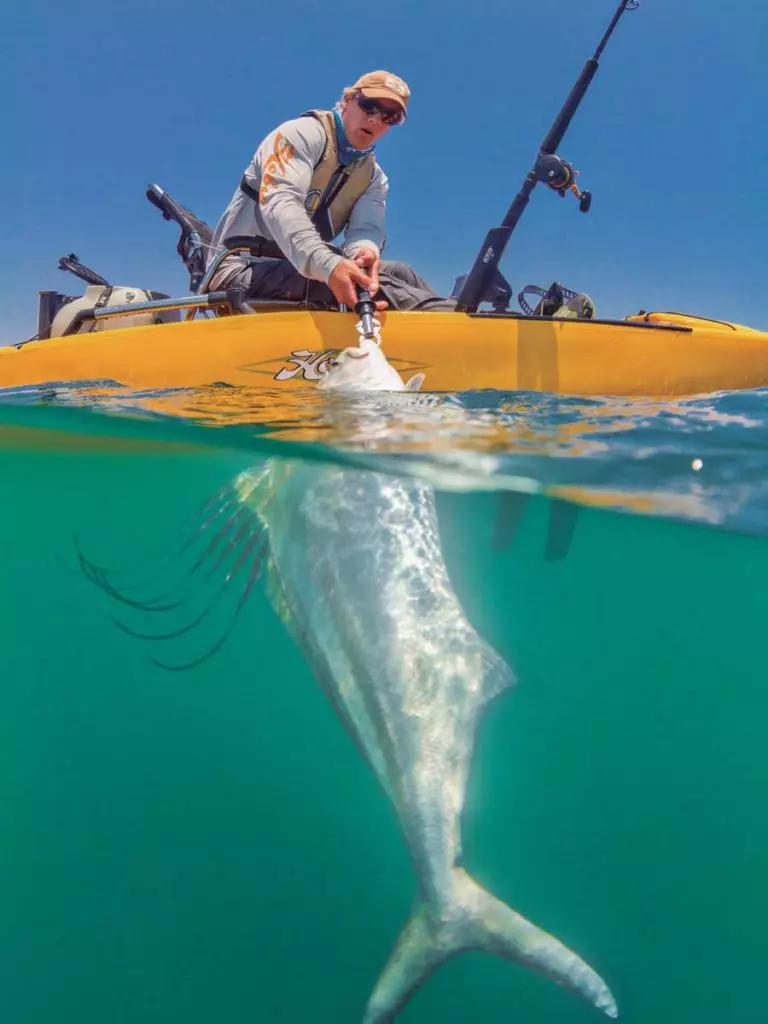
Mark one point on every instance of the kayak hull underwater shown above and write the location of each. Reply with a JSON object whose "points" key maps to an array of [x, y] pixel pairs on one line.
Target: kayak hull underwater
{"points": [[652, 354]]}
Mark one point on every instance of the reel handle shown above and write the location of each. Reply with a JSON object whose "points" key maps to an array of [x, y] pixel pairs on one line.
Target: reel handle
{"points": [[559, 175]]}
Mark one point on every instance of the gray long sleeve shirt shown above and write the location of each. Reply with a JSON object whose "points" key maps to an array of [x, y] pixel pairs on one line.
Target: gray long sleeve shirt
{"points": [[281, 169]]}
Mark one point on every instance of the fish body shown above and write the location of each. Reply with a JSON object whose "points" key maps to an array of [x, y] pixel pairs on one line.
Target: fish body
{"points": [[358, 575]]}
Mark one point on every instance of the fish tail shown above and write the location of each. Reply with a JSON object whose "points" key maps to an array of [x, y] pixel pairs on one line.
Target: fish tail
{"points": [[475, 919]]}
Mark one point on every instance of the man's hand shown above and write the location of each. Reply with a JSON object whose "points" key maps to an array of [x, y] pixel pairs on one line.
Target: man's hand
{"points": [[369, 260], [348, 273]]}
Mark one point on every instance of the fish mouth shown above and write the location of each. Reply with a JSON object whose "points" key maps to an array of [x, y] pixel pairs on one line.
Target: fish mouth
{"points": [[357, 355]]}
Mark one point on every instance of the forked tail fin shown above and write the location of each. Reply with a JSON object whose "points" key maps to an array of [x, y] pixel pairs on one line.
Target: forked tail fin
{"points": [[477, 920]]}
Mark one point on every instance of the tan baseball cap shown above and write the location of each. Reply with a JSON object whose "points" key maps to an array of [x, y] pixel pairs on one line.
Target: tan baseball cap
{"points": [[384, 85]]}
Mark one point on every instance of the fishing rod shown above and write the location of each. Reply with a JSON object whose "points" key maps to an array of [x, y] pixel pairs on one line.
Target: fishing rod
{"points": [[549, 168]]}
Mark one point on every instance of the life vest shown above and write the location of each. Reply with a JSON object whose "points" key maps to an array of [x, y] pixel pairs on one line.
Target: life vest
{"points": [[334, 188]]}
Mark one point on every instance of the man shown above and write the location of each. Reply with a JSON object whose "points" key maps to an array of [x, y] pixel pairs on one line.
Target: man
{"points": [[310, 179]]}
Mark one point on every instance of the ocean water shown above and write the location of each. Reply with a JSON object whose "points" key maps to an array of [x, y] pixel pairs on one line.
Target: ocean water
{"points": [[208, 844]]}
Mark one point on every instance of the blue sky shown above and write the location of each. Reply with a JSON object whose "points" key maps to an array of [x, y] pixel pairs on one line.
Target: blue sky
{"points": [[100, 99]]}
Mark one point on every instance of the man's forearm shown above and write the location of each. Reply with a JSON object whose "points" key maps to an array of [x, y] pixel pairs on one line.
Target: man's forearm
{"points": [[296, 235]]}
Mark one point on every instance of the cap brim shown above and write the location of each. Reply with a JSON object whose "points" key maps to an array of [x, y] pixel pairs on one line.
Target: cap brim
{"points": [[384, 94]]}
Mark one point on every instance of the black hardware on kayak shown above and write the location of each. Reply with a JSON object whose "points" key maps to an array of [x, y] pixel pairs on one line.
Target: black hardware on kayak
{"points": [[549, 169], [560, 176], [550, 299], [498, 294], [74, 266], [365, 308], [195, 237], [49, 303]]}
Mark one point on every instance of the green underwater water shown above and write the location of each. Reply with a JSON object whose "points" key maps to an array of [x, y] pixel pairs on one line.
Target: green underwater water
{"points": [[208, 845]]}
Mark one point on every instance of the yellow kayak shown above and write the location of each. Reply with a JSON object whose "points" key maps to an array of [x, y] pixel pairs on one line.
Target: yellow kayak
{"points": [[128, 337], [653, 354]]}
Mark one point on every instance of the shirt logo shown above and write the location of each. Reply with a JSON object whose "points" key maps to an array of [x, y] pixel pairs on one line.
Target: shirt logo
{"points": [[275, 164]]}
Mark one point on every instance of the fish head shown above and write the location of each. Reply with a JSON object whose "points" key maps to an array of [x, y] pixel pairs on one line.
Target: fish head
{"points": [[364, 367]]}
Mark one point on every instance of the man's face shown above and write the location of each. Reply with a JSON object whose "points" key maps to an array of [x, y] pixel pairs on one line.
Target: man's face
{"points": [[364, 128]]}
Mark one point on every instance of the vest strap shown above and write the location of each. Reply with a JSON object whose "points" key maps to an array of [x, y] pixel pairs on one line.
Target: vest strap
{"points": [[256, 245], [102, 300], [249, 190]]}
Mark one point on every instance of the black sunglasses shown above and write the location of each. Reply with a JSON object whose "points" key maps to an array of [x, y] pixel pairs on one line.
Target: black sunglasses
{"points": [[371, 107]]}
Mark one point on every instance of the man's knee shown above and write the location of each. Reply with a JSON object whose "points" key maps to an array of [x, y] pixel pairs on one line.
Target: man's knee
{"points": [[404, 289], [403, 272]]}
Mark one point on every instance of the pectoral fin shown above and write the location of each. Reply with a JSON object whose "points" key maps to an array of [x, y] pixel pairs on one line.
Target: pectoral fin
{"points": [[228, 542]]}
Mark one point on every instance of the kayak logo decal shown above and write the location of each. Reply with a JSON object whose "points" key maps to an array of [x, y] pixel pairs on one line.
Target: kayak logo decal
{"points": [[309, 365]]}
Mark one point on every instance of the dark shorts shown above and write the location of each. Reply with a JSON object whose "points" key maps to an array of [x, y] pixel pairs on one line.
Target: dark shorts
{"points": [[400, 286]]}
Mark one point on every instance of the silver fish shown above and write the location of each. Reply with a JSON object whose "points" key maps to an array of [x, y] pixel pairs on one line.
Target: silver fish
{"points": [[358, 575], [366, 591]]}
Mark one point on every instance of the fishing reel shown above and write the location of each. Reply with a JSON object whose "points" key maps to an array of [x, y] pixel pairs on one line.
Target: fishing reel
{"points": [[552, 170]]}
